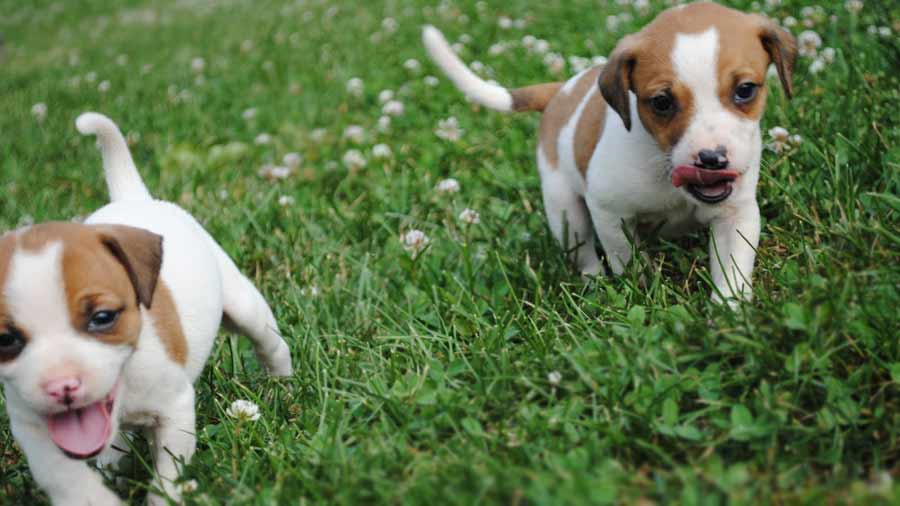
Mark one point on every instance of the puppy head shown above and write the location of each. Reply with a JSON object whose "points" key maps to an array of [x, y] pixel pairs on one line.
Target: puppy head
{"points": [[698, 73], [70, 298]]}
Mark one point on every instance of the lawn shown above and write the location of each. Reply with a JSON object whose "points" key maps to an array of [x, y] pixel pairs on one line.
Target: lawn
{"points": [[480, 369]]}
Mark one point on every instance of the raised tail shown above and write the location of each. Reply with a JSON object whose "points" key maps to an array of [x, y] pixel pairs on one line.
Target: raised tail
{"points": [[529, 98], [122, 176]]}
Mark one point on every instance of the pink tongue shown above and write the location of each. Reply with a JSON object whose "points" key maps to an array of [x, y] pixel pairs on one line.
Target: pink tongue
{"points": [[687, 174], [81, 432]]}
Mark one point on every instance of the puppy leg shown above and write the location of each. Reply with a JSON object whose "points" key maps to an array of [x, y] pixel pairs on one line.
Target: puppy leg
{"points": [[570, 222], [174, 440], [611, 232], [68, 482], [732, 252], [248, 312]]}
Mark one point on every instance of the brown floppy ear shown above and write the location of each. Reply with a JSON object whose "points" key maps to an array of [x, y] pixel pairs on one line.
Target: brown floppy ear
{"points": [[782, 49], [615, 78], [140, 253]]}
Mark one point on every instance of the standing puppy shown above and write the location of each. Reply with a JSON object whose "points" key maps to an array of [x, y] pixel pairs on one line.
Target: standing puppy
{"points": [[106, 325], [665, 135]]}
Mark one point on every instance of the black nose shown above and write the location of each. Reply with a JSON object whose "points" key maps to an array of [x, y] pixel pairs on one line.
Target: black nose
{"points": [[713, 158]]}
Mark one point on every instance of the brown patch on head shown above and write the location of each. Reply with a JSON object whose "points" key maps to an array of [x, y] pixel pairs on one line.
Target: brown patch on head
{"points": [[534, 98], [168, 324], [104, 268], [559, 111], [642, 64], [588, 131], [7, 248]]}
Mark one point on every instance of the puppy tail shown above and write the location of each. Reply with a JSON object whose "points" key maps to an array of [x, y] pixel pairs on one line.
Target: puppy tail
{"points": [[122, 176], [529, 98]]}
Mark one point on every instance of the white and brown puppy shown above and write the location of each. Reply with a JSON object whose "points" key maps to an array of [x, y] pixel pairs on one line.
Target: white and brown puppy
{"points": [[106, 325], [665, 136]]}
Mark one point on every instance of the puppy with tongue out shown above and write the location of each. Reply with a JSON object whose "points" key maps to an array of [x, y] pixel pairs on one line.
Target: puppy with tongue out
{"points": [[665, 137], [105, 325]]}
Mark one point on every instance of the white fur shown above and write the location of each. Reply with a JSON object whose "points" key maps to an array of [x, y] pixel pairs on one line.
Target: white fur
{"points": [[154, 392], [482, 92], [628, 180]]}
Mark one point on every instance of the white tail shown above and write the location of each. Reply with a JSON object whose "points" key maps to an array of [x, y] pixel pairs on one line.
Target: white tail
{"points": [[122, 176], [479, 90]]}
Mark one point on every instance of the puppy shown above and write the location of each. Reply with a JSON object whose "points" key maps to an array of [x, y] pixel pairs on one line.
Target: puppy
{"points": [[665, 136], [106, 325]]}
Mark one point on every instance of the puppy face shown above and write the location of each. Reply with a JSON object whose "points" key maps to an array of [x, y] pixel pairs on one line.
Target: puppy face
{"points": [[698, 73], [70, 317]]}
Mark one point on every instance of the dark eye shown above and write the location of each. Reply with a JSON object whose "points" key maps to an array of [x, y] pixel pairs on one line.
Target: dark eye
{"points": [[103, 321], [663, 104], [11, 345], [744, 93]]}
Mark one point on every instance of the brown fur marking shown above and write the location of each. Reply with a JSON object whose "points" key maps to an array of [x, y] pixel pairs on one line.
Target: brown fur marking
{"points": [[588, 131], [559, 111], [168, 324], [534, 98]]}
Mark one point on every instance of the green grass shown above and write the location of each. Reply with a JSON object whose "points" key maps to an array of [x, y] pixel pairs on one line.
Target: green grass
{"points": [[425, 381]]}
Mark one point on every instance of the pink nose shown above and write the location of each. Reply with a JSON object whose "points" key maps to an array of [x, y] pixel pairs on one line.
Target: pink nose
{"points": [[64, 390]]}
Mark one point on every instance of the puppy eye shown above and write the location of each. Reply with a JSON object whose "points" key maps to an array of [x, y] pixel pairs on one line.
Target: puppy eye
{"points": [[102, 321], [744, 93], [662, 104], [11, 345]]}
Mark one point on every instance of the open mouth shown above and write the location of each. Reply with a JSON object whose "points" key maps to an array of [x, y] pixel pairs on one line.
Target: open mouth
{"points": [[82, 433], [710, 186]]}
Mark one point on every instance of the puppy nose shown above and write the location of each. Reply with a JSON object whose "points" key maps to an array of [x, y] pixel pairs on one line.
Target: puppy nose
{"points": [[64, 390], [713, 158]]}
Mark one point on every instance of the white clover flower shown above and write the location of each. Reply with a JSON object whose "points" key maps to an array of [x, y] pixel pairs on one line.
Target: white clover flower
{"points": [[448, 129], [146, 68], [470, 216], [385, 96], [122, 60], [247, 46], [285, 201], [318, 135], [393, 108], [496, 49], [828, 54], [90, 77], [249, 114], [504, 22], [274, 172], [381, 151], [39, 111], [598, 60], [612, 23], [263, 139], [555, 63], [789, 22], [796, 139], [884, 31], [528, 41], [188, 487], [355, 86], [773, 3], [431, 81], [384, 124], [579, 63], [476, 66], [817, 66], [355, 133], [414, 241], [780, 138], [244, 411], [448, 185], [465, 38], [104, 86], [541, 46], [808, 43], [198, 65], [457, 47], [292, 160], [554, 377], [294, 88], [310, 291], [412, 65], [390, 25], [463, 19], [520, 23], [853, 6], [353, 159]]}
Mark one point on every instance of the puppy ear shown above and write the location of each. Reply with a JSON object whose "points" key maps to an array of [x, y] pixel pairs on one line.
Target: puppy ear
{"points": [[140, 253], [782, 49], [615, 78]]}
